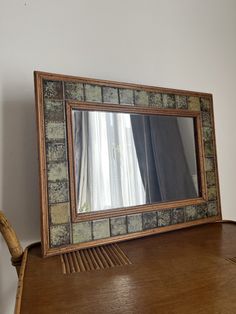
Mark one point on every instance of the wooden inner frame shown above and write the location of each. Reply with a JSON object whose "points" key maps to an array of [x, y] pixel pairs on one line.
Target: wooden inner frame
{"points": [[88, 106], [60, 237]]}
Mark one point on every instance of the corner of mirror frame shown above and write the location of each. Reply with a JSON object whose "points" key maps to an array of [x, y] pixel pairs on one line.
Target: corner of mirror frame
{"points": [[41, 80]]}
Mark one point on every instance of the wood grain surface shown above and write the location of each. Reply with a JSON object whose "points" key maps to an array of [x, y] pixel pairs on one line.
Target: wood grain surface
{"points": [[185, 271]]}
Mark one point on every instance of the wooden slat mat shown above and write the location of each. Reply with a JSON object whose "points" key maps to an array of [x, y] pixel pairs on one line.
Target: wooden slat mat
{"points": [[95, 258], [231, 259]]}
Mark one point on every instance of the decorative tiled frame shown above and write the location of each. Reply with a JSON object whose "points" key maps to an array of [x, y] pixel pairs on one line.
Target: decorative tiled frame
{"points": [[61, 232]]}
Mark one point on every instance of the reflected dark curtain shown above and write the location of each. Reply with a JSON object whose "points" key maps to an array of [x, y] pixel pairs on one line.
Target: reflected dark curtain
{"points": [[161, 157]]}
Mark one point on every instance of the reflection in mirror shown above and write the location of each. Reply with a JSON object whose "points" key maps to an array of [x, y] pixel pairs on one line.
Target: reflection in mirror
{"points": [[123, 159]]}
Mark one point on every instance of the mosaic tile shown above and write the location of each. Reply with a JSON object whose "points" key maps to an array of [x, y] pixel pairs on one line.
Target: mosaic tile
{"points": [[212, 209], [177, 216], [110, 95], [93, 93], [126, 96], [59, 235], [207, 134], [206, 119], [205, 104], [57, 171], [58, 192], [134, 223], [190, 213], [55, 151], [149, 220], [82, 232], [53, 89], [194, 103], [118, 226], [155, 100], [212, 193], [141, 98], [164, 218], [211, 178], [201, 211], [54, 110], [54, 131], [59, 213], [168, 101], [74, 91], [101, 229], [209, 164], [208, 148], [181, 102]]}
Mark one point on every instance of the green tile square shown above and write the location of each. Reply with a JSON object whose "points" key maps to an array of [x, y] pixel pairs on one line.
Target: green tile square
{"points": [[59, 213], [194, 103], [58, 192], [207, 134], [54, 110], [164, 218], [205, 104], [141, 98], [181, 102], [211, 178], [212, 193], [57, 171], [149, 220], [101, 229], [55, 151], [212, 209], [177, 216], [55, 131], [208, 148], [52, 89], [190, 213], [59, 235], [82, 232], [201, 211], [155, 100], [168, 101], [74, 91], [206, 119], [118, 225], [126, 96], [110, 95], [93, 93], [209, 164], [134, 223]]}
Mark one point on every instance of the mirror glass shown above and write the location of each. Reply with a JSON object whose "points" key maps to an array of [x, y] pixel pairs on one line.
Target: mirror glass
{"points": [[123, 159]]}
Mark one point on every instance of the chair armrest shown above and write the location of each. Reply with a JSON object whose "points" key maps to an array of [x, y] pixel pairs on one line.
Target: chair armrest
{"points": [[12, 241]]}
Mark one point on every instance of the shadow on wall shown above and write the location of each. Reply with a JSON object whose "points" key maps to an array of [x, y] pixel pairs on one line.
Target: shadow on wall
{"points": [[19, 162]]}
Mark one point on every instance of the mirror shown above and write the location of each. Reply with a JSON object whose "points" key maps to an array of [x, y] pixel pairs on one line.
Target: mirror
{"points": [[125, 159], [120, 161]]}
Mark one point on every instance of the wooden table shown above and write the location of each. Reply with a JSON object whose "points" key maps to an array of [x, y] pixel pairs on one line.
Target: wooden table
{"points": [[186, 271]]}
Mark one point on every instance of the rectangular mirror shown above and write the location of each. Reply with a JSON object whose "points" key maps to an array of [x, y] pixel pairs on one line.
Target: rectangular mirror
{"points": [[120, 161], [123, 160]]}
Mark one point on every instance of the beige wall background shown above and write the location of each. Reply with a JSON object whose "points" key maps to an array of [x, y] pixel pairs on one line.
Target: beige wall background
{"points": [[185, 44]]}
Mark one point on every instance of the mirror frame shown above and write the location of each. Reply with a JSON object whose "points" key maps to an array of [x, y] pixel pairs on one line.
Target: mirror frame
{"points": [[64, 230]]}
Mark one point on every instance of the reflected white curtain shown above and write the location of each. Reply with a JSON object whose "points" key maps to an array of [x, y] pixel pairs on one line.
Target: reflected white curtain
{"points": [[106, 164]]}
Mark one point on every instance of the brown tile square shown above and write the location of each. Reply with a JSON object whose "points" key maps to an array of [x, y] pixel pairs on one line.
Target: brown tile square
{"points": [[60, 213], [52, 89]]}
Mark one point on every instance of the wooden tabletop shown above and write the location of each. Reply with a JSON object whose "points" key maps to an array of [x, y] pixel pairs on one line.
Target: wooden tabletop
{"points": [[185, 271]]}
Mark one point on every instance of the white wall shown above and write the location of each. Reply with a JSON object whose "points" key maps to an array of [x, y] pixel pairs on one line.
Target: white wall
{"points": [[186, 44]]}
